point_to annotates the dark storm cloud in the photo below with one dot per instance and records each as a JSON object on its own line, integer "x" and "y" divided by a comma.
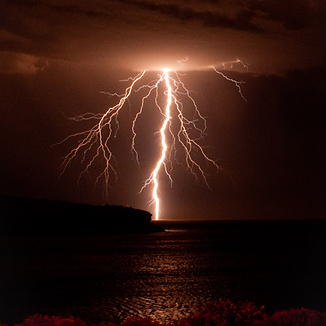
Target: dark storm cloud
{"x": 67, "y": 30}
{"x": 207, "y": 18}
{"x": 131, "y": 34}
{"x": 292, "y": 14}
{"x": 74, "y": 9}
{"x": 24, "y": 30}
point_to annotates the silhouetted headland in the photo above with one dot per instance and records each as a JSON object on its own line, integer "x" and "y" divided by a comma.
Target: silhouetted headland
{"x": 20, "y": 216}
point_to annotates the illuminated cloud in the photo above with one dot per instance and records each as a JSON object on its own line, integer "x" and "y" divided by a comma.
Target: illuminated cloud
{"x": 12, "y": 63}
{"x": 142, "y": 34}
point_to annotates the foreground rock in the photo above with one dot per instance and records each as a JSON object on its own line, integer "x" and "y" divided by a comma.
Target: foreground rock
{"x": 25, "y": 216}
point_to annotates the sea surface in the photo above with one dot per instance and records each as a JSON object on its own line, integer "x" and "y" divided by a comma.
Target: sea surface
{"x": 280, "y": 265}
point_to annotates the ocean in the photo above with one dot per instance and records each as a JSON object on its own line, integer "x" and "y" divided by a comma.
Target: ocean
{"x": 278, "y": 264}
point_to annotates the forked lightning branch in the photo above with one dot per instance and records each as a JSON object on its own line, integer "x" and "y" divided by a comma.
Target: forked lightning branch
{"x": 94, "y": 142}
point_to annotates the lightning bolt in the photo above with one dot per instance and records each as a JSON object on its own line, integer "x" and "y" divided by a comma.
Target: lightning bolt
{"x": 175, "y": 133}
{"x": 155, "y": 174}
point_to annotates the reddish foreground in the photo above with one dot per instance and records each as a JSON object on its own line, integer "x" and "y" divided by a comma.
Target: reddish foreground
{"x": 222, "y": 313}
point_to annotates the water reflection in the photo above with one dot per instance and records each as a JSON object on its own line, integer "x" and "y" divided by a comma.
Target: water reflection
{"x": 161, "y": 276}
{"x": 165, "y": 276}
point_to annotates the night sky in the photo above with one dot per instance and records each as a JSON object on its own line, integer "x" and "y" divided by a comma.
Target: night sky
{"x": 59, "y": 57}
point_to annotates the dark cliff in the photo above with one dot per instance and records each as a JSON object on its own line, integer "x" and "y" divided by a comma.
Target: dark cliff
{"x": 26, "y": 216}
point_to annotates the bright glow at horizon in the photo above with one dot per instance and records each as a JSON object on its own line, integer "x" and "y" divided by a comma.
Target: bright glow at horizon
{"x": 171, "y": 138}
{"x": 183, "y": 65}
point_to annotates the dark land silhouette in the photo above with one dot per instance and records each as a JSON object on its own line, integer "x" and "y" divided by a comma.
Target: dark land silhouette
{"x": 21, "y": 216}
